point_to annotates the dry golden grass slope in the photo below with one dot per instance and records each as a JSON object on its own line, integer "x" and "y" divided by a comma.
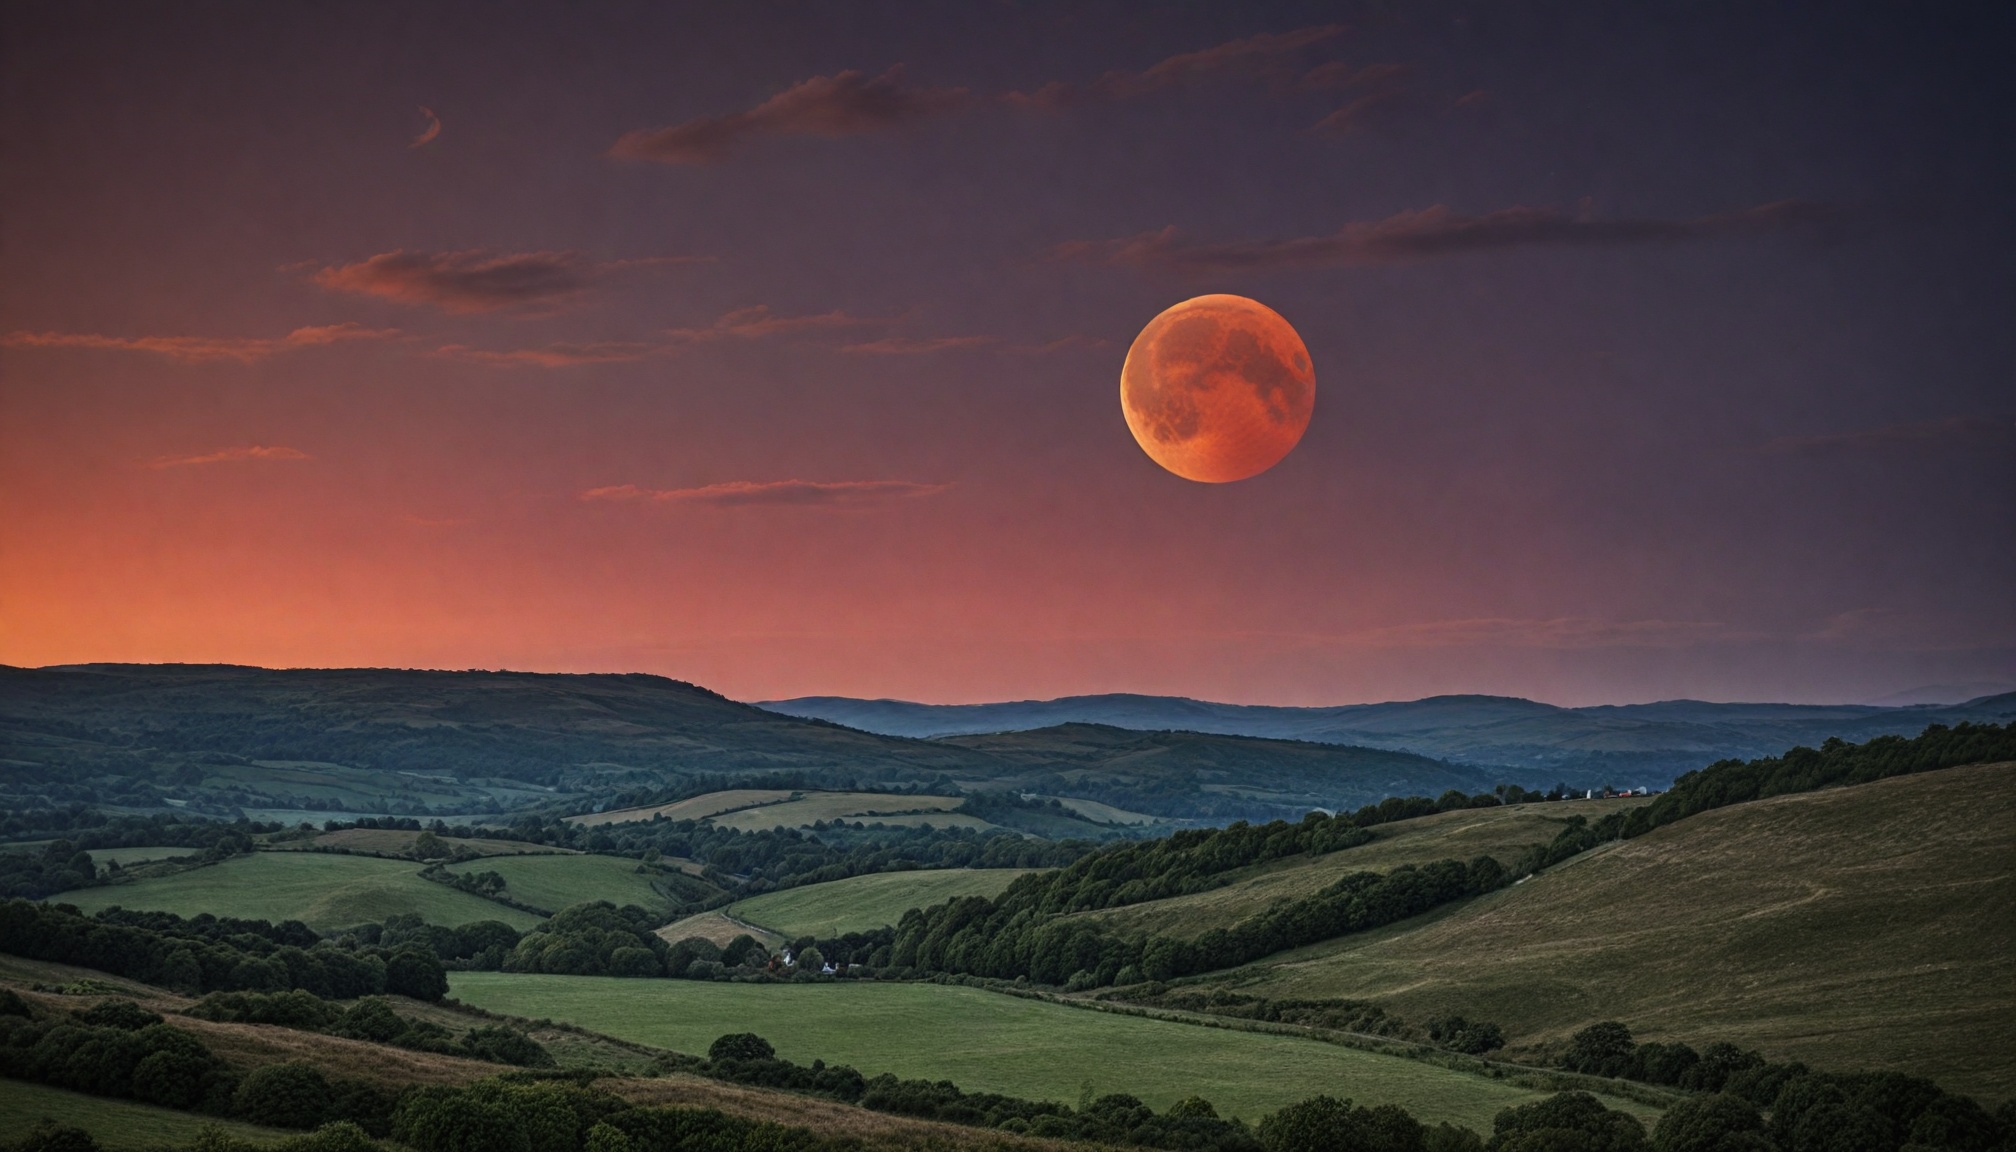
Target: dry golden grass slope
{"x": 1463, "y": 835}
{"x": 1871, "y": 927}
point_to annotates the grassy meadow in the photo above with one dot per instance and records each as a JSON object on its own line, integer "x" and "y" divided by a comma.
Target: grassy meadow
{"x": 860, "y": 903}
{"x": 118, "y": 1125}
{"x": 554, "y": 882}
{"x": 1871, "y": 927}
{"x": 1461, "y": 835}
{"x": 323, "y": 890}
{"x": 986, "y": 1041}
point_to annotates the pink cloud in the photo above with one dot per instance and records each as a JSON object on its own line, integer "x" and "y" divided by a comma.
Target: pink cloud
{"x": 232, "y": 455}
{"x": 774, "y": 493}
{"x": 759, "y": 321}
{"x": 556, "y": 355}
{"x": 1431, "y": 232}
{"x": 479, "y": 281}
{"x": 909, "y": 346}
{"x": 844, "y": 104}
{"x": 753, "y": 323}
{"x": 202, "y": 349}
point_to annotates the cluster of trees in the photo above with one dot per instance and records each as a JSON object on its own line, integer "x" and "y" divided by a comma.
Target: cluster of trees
{"x": 371, "y": 1019}
{"x": 1809, "y": 1111}
{"x": 119, "y": 1049}
{"x": 592, "y": 939}
{"x": 1015, "y": 937}
{"x": 1327, "y": 1124}
{"x": 1833, "y": 763}
{"x": 204, "y": 955}
{"x": 481, "y": 944}
{"x": 788, "y": 857}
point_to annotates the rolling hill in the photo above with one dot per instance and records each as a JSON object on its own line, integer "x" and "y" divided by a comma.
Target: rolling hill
{"x": 1872, "y": 927}
{"x": 1522, "y": 741}
{"x": 1503, "y": 833}
{"x": 320, "y": 744}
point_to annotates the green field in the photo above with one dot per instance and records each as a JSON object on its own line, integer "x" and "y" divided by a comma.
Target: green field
{"x": 1461, "y": 835}
{"x": 554, "y": 882}
{"x": 860, "y": 903}
{"x": 1871, "y": 927}
{"x": 324, "y": 891}
{"x": 117, "y": 1124}
{"x": 986, "y": 1041}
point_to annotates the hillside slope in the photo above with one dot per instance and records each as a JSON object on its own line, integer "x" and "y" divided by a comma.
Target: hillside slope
{"x": 1864, "y": 927}
{"x": 1525, "y": 741}
{"x": 1503, "y": 833}
{"x": 1153, "y": 771}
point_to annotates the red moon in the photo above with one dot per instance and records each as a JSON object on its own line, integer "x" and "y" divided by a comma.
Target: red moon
{"x": 1218, "y": 388}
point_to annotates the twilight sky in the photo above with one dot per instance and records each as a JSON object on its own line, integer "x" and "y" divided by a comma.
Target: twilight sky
{"x": 1660, "y": 350}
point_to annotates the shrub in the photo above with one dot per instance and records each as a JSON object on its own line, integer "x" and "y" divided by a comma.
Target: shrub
{"x": 296, "y": 1009}
{"x": 1460, "y": 1035}
{"x": 121, "y": 1014}
{"x": 1715, "y": 1123}
{"x": 741, "y": 1046}
{"x": 291, "y": 1095}
{"x": 1327, "y": 1124}
{"x": 506, "y": 1046}
{"x": 51, "y": 1137}
{"x": 336, "y": 1136}
{"x": 1600, "y": 1050}
{"x": 11, "y": 1004}
{"x": 1567, "y": 1122}
{"x": 633, "y": 961}
{"x": 411, "y": 972}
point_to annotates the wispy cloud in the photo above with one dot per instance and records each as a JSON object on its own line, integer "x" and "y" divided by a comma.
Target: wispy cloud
{"x": 844, "y": 104}
{"x": 231, "y": 456}
{"x": 759, "y": 321}
{"x": 1266, "y": 56}
{"x": 1429, "y": 233}
{"x": 917, "y": 346}
{"x": 774, "y": 493}
{"x": 480, "y": 281}
{"x": 557, "y": 355}
{"x": 754, "y": 323}
{"x": 1954, "y": 431}
{"x": 202, "y": 349}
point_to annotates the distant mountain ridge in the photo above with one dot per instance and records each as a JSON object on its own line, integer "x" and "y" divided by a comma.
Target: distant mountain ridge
{"x": 309, "y": 744}
{"x": 1530, "y": 742}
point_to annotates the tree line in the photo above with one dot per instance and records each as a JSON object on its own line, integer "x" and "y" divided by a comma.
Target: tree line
{"x": 206, "y": 954}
